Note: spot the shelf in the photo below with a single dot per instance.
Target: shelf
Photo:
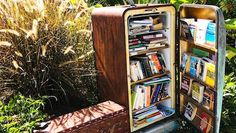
(149, 32)
(162, 100)
(149, 78)
(199, 46)
(190, 99)
(147, 51)
(135, 128)
(199, 81)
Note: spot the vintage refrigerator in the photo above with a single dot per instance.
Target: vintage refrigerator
(190, 47)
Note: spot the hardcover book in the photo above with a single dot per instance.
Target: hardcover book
(190, 111)
(197, 91)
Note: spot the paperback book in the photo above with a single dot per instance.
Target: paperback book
(197, 91)
(186, 84)
(205, 123)
(190, 111)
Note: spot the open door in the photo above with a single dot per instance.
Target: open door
(202, 65)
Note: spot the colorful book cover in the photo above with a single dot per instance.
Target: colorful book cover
(210, 74)
(190, 111)
(205, 123)
(197, 91)
(194, 66)
(148, 95)
(208, 99)
(184, 62)
(155, 95)
(211, 35)
(202, 70)
(186, 84)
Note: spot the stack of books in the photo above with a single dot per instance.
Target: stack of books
(144, 25)
(201, 68)
(149, 93)
(152, 113)
(143, 42)
(147, 65)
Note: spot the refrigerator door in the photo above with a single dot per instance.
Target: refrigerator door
(190, 42)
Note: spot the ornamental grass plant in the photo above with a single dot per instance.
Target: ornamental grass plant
(46, 50)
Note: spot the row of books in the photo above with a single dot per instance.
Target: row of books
(201, 119)
(145, 25)
(144, 95)
(202, 94)
(143, 42)
(152, 113)
(147, 65)
(201, 68)
(201, 31)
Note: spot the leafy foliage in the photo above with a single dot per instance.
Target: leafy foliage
(20, 114)
(46, 49)
(228, 122)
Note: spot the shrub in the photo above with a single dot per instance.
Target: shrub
(229, 105)
(20, 114)
(46, 49)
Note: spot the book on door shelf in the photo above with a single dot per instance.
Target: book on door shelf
(197, 91)
(210, 74)
(202, 70)
(186, 84)
(184, 67)
(211, 35)
(190, 111)
(201, 31)
(205, 122)
(194, 65)
(208, 99)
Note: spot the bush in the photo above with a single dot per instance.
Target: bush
(20, 114)
(46, 49)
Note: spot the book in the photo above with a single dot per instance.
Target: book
(205, 123)
(184, 67)
(202, 70)
(197, 91)
(162, 60)
(187, 28)
(210, 74)
(201, 31)
(190, 111)
(155, 95)
(136, 94)
(148, 96)
(164, 90)
(145, 62)
(211, 35)
(136, 70)
(186, 84)
(208, 99)
(154, 117)
(157, 35)
(155, 45)
(194, 66)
